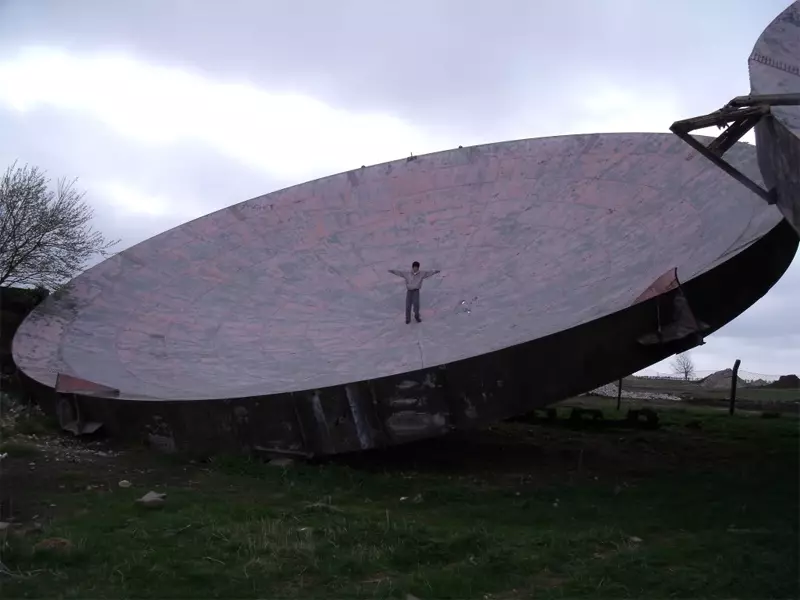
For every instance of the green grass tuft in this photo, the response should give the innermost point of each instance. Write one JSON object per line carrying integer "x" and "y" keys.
{"x": 709, "y": 512}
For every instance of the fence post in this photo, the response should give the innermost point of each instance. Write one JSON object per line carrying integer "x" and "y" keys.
{"x": 619, "y": 393}
{"x": 734, "y": 381}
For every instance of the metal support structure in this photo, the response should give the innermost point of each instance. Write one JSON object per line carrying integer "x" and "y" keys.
{"x": 737, "y": 117}
{"x": 792, "y": 99}
{"x": 734, "y": 381}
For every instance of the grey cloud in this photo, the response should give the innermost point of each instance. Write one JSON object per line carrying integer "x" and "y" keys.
{"x": 74, "y": 146}
{"x": 198, "y": 180}
{"x": 450, "y": 65}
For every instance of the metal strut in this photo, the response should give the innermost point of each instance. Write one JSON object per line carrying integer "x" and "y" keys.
{"x": 737, "y": 117}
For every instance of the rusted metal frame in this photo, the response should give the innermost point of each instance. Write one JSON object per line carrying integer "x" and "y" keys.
{"x": 681, "y": 291}
{"x": 720, "y": 118}
{"x": 744, "y": 120}
{"x": 737, "y": 117}
{"x": 734, "y": 133}
{"x": 699, "y": 332}
{"x": 659, "y": 331}
{"x": 698, "y": 337}
{"x": 766, "y": 100}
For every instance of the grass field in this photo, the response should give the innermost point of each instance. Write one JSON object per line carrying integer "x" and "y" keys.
{"x": 706, "y": 506}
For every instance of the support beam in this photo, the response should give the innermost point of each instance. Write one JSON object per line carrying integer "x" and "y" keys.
{"x": 734, "y": 381}
{"x": 737, "y": 117}
{"x": 766, "y": 100}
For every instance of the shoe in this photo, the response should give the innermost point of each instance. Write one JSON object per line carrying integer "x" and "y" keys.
{"x": 418, "y": 319}
{"x": 408, "y": 321}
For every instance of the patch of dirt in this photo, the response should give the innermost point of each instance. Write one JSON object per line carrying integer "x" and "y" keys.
{"x": 38, "y": 467}
{"x": 548, "y": 453}
{"x": 532, "y": 453}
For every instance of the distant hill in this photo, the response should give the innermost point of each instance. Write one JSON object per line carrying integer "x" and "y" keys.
{"x": 721, "y": 380}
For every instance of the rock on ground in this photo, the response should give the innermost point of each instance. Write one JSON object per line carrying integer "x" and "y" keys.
{"x": 609, "y": 390}
{"x": 152, "y": 499}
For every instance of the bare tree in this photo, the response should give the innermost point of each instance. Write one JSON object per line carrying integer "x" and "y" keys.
{"x": 45, "y": 236}
{"x": 683, "y": 365}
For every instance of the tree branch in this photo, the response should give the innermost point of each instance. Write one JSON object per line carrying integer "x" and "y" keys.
{"x": 45, "y": 236}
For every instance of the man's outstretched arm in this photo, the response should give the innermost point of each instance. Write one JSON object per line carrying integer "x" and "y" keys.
{"x": 397, "y": 272}
{"x": 426, "y": 274}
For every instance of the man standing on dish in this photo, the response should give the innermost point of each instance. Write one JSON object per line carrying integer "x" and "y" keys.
{"x": 413, "y": 279}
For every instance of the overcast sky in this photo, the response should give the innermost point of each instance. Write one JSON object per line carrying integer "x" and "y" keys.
{"x": 168, "y": 109}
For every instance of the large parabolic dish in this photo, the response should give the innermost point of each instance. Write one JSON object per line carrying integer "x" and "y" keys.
{"x": 274, "y": 323}
{"x": 775, "y": 69}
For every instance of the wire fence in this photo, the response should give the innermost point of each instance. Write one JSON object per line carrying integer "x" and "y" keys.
{"x": 747, "y": 376}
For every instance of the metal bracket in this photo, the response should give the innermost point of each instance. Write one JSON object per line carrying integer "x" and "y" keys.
{"x": 737, "y": 117}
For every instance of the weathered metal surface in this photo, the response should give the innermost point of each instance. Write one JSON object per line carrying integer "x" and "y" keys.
{"x": 775, "y": 69}
{"x": 274, "y": 324}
